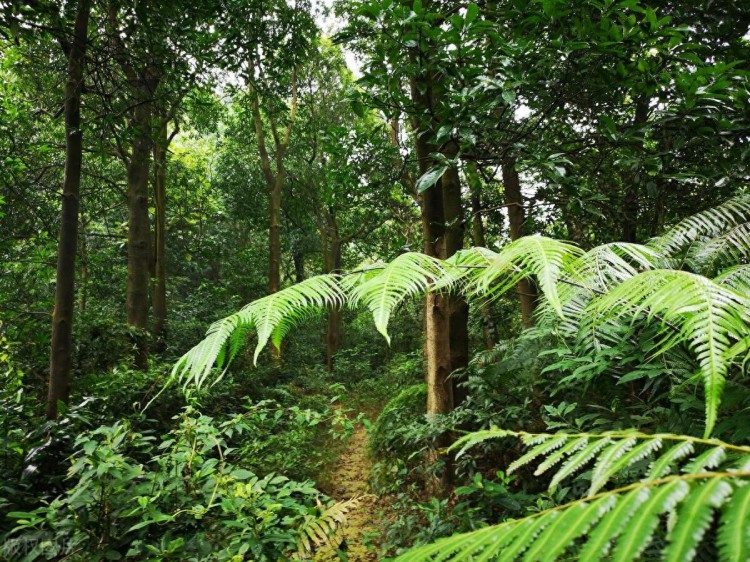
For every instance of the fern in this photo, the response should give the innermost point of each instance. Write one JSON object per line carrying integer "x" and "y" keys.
{"x": 409, "y": 274}
{"x": 731, "y": 247}
{"x": 271, "y": 317}
{"x": 707, "y": 224}
{"x": 619, "y": 523}
{"x": 319, "y": 530}
{"x": 543, "y": 258}
{"x": 691, "y": 308}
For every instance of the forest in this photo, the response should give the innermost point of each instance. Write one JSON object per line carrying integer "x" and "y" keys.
{"x": 359, "y": 280}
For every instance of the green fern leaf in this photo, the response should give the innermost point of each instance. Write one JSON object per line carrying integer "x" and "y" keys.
{"x": 734, "y": 532}
{"x": 545, "y": 259}
{"x": 577, "y": 461}
{"x": 693, "y": 518}
{"x": 409, "y": 274}
{"x": 606, "y": 460}
{"x": 639, "y": 531}
{"x": 612, "y": 525}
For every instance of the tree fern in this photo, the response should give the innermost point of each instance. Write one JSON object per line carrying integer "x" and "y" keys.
{"x": 621, "y": 522}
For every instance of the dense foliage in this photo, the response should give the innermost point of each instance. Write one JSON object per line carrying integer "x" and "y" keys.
{"x": 374, "y": 279}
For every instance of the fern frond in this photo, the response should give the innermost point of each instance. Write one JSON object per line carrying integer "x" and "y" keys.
{"x": 707, "y": 224}
{"x": 734, "y": 532}
{"x": 693, "y": 519}
{"x": 731, "y": 247}
{"x": 319, "y": 530}
{"x": 626, "y": 517}
{"x": 543, "y": 258}
{"x": 463, "y": 267}
{"x": 271, "y": 317}
{"x": 736, "y": 278}
{"x": 409, "y": 274}
{"x": 694, "y": 309}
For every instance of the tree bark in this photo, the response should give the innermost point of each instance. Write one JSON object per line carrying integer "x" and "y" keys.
{"x": 479, "y": 239}
{"x": 332, "y": 263}
{"x": 631, "y": 197}
{"x": 453, "y": 241}
{"x": 61, "y": 353}
{"x": 139, "y": 248}
{"x": 527, "y": 294}
{"x": 159, "y": 296}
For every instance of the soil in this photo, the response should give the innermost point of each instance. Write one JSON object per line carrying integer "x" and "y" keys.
{"x": 348, "y": 478}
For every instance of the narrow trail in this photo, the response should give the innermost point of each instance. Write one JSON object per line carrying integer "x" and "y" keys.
{"x": 349, "y": 479}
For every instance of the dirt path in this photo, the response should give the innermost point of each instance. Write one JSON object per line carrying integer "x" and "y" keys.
{"x": 348, "y": 479}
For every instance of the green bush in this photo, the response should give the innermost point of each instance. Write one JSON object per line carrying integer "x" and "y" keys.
{"x": 184, "y": 496}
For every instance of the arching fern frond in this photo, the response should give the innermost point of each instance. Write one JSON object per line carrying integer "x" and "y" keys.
{"x": 545, "y": 259}
{"x": 409, "y": 274}
{"x": 707, "y": 224}
{"x": 731, "y": 247}
{"x": 693, "y": 309}
{"x": 618, "y": 523}
{"x": 736, "y": 278}
{"x": 464, "y": 267}
{"x": 271, "y": 317}
{"x": 596, "y": 272}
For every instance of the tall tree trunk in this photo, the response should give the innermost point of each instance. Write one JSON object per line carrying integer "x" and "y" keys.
{"x": 298, "y": 257}
{"x": 159, "y": 297}
{"x": 139, "y": 248}
{"x": 479, "y": 239}
{"x": 453, "y": 241}
{"x": 274, "y": 234}
{"x": 631, "y": 197}
{"x": 437, "y": 311}
{"x": 61, "y": 353}
{"x": 332, "y": 263}
{"x": 526, "y": 290}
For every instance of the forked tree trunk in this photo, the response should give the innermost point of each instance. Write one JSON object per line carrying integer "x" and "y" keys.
{"x": 61, "y": 352}
{"x": 139, "y": 249}
{"x": 159, "y": 296}
{"x": 527, "y": 294}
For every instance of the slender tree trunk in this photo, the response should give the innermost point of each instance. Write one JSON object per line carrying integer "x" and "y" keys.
{"x": 274, "y": 234}
{"x": 298, "y": 257}
{"x": 526, "y": 290}
{"x": 453, "y": 241}
{"x": 331, "y": 263}
{"x": 159, "y": 297}
{"x": 631, "y": 197}
{"x": 437, "y": 347}
{"x": 61, "y": 353}
{"x": 479, "y": 239}
{"x": 139, "y": 247}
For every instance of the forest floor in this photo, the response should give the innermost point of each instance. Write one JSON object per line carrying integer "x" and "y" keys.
{"x": 348, "y": 478}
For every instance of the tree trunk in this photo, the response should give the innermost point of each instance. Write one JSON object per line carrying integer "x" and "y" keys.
{"x": 631, "y": 197}
{"x": 61, "y": 353}
{"x": 139, "y": 250}
{"x": 332, "y": 263}
{"x": 479, "y": 239}
{"x": 453, "y": 241}
{"x": 159, "y": 297}
{"x": 298, "y": 257}
{"x": 526, "y": 290}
